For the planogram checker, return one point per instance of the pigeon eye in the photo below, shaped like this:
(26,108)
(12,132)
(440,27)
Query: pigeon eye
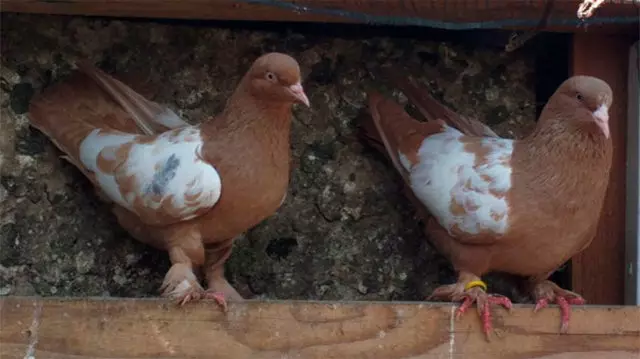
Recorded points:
(579,97)
(270,76)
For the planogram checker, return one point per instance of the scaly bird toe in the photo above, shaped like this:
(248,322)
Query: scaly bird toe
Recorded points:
(484,302)
(181,286)
(219,297)
(192,294)
(473,291)
(548,292)
(195,294)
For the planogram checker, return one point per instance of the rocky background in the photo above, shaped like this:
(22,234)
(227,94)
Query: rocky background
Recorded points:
(345,231)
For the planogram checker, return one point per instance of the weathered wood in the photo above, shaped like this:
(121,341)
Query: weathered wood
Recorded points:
(134,328)
(598,272)
(454,12)
(632,248)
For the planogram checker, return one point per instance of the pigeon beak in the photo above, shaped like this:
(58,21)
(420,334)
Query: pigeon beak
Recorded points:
(601,116)
(298,92)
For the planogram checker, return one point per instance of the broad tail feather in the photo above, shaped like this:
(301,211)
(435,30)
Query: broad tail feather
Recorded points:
(392,128)
(151,117)
(433,110)
(392,131)
(68,111)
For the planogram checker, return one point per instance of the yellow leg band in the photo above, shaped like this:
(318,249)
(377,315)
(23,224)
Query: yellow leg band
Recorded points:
(476,283)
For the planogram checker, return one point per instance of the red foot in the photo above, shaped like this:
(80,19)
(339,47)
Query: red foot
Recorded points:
(564,302)
(484,304)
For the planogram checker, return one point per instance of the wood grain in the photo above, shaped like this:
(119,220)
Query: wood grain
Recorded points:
(598,273)
(150,328)
(452,11)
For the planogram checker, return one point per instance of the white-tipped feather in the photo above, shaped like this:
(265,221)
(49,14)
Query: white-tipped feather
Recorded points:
(168,168)
(446,172)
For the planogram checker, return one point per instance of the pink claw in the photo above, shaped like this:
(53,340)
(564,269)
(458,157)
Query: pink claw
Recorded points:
(565,313)
(485,311)
(219,298)
(565,308)
(503,301)
(463,307)
(576,301)
(487,325)
(486,319)
(186,299)
(542,303)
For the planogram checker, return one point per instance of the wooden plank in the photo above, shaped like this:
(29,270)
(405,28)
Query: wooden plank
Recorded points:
(598,272)
(436,13)
(632,248)
(136,328)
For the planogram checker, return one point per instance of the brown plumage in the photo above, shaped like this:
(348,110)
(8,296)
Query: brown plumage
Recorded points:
(189,190)
(495,205)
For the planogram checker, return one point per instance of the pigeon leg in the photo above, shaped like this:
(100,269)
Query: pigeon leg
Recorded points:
(218,286)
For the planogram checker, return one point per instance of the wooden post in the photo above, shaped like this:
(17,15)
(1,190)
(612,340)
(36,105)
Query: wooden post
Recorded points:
(598,272)
(136,328)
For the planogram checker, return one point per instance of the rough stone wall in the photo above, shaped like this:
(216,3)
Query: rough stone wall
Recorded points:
(344,232)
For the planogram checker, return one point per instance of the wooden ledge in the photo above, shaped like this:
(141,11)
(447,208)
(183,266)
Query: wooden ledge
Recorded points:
(153,328)
(449,14)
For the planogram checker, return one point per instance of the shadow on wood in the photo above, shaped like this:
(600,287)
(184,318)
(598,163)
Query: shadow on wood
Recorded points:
(152,328)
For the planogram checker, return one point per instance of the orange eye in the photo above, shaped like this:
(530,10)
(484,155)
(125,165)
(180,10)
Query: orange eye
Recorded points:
(270,76)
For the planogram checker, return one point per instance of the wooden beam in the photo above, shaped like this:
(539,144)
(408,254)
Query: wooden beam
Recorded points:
(450,14)
(632,248)
(136,328)
(598,273)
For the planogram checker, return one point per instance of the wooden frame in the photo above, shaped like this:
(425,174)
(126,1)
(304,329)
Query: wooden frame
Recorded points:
(450,14)
(135,328)
(593,274)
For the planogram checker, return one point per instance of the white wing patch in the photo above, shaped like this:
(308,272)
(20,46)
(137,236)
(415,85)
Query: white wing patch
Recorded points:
(162,178)
(465,190)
